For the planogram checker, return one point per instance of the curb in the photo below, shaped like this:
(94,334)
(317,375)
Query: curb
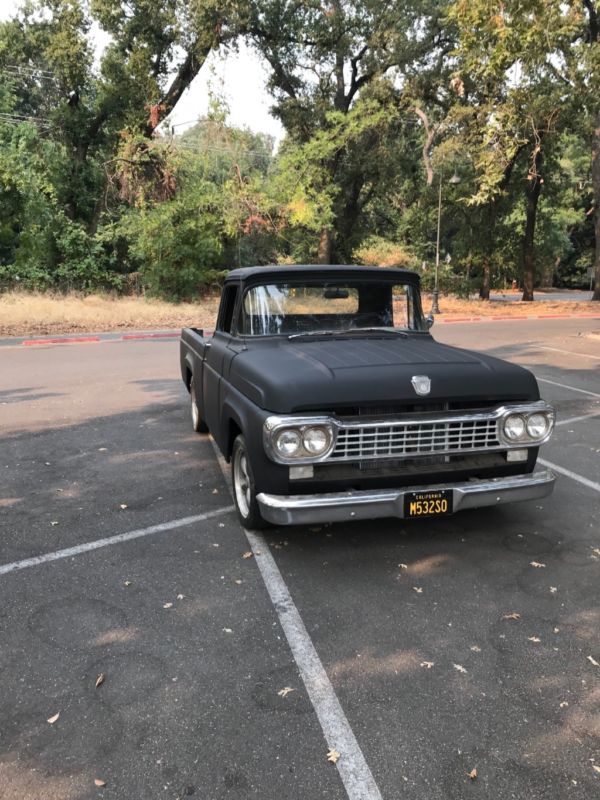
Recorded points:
(128,337)
(451,320)
(102,338)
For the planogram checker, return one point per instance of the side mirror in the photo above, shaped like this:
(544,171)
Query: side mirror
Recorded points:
(429,320)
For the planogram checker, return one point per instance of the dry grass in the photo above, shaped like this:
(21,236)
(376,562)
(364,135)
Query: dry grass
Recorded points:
(23,314)
(455,307)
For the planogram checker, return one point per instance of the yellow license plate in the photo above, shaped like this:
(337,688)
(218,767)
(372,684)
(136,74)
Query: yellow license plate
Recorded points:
(428,504)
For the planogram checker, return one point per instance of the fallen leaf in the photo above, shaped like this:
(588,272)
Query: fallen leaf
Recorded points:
(533,639)
(53,719)
(512,615)
(536,564)
(100,679)
(593,661)
(418,589)
(459,668)
(99,782)
(247,554)
(427,664)
(285,691)
(333,756)
(168,605)
(123,506)
(473,774)
(596,550)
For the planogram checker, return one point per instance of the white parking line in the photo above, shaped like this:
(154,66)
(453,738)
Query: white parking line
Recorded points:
(352,766)
(572,420)
(120,537)
(568,352)
(573,475)
(566,386)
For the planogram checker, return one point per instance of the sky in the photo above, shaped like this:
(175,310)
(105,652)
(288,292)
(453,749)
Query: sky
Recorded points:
(239,78)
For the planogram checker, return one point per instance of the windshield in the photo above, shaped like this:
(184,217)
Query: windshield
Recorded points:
(327,308)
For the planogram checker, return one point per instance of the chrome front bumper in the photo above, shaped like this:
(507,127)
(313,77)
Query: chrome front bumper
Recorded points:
(303,509)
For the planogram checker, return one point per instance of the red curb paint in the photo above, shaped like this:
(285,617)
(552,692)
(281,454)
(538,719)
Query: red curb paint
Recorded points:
(505,318)
(129,336)
(77,340)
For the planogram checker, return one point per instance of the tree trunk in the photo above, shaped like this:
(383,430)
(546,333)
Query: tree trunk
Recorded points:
(484,291)
(596,190)
(532,195)
(324,249)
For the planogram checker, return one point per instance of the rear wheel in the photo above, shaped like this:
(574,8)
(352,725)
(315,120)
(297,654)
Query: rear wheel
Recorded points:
(198,423)
(244,489)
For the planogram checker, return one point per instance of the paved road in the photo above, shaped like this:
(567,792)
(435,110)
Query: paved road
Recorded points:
(431,679)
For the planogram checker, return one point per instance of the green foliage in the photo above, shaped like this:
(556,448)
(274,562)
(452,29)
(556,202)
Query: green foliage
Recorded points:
(380,102)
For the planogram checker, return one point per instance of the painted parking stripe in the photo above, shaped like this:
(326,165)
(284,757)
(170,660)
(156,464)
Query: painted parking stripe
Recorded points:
(573,475)
(568,352)
(353,769)
(121,537)
(566,386)
(572,420)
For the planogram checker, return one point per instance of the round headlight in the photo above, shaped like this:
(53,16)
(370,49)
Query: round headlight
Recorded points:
(288,442)
(514,427)
(537,426)
(315,441)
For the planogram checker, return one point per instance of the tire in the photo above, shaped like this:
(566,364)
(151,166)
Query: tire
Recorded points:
(198,423)
(244,489)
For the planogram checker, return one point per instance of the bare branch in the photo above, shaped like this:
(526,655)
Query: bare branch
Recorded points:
(430,134)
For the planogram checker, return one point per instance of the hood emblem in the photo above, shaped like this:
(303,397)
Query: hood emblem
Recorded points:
(421,384)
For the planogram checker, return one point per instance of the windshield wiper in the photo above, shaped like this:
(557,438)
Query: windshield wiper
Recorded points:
(344,333)
(311,333)
(373,329)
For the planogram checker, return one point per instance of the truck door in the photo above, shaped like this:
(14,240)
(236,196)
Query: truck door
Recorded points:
(218,357)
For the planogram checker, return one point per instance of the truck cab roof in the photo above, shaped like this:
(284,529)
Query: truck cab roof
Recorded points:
(289,272)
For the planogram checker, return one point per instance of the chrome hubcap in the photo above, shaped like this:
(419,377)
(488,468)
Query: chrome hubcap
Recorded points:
(241,483)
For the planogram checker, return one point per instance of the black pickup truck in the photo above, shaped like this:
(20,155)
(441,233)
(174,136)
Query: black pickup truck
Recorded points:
(325,390)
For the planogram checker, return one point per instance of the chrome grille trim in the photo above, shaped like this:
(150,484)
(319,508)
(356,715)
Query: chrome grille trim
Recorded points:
(415,438)
(439,433)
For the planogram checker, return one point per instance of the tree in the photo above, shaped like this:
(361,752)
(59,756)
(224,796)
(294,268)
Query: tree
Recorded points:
(509,56)
(321,59)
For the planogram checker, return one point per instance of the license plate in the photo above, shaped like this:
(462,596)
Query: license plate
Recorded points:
(428,504)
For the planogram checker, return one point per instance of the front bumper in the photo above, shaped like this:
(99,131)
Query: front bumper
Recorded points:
(344,506)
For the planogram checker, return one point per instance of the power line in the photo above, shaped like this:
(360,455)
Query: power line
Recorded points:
(19,119)
(17,69)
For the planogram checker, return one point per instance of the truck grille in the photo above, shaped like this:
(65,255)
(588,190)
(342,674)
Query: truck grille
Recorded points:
(414,438)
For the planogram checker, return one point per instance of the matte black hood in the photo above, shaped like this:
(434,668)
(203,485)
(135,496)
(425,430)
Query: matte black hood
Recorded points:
(286,376)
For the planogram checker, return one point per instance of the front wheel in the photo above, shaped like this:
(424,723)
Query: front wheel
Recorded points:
(244,490)
(198,423)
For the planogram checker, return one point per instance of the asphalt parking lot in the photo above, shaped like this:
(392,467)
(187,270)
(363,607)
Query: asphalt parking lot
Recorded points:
(430,649)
